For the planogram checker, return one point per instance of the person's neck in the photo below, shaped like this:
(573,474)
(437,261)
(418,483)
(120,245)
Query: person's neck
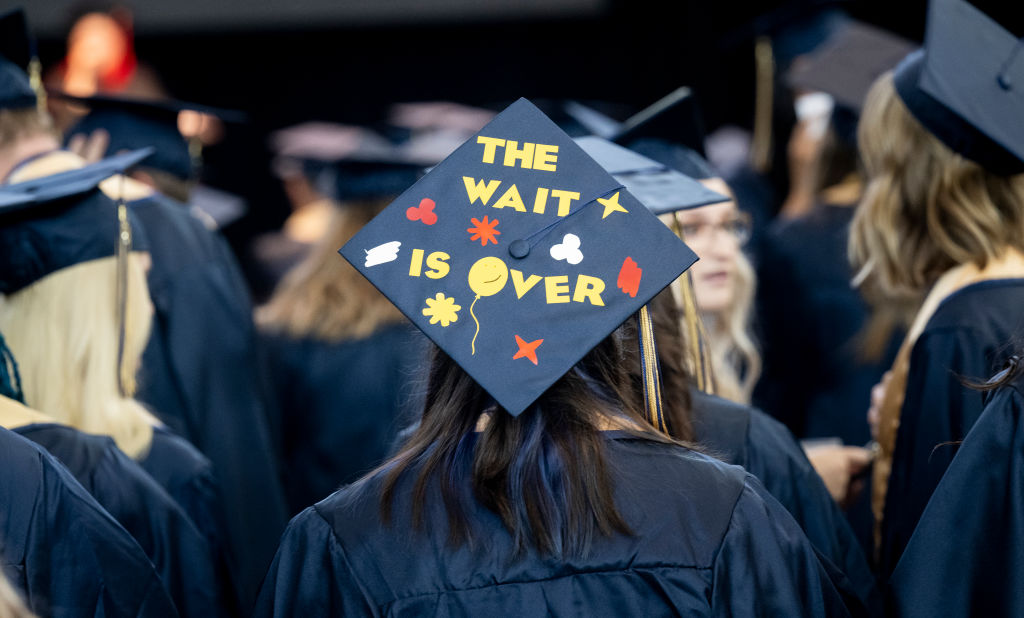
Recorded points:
(22,149)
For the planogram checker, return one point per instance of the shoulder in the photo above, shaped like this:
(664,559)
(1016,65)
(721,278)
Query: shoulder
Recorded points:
(721,426)
(991,303)
(177,454)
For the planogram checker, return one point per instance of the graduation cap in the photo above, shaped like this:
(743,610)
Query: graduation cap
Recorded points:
(56,221)
(17,55)
(53,222)
(664,190)
(658,187)
(846,65)
(967,86)
(517,255)
(354,163)
(134,123)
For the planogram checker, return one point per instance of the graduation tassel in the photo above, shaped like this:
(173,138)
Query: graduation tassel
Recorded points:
(698,363)
(35,80)
(125,378)
(650,371)
(764,93)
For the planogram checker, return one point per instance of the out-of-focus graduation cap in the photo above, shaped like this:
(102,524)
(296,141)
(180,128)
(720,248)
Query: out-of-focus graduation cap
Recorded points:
(658,187)
(16,54)
(134,123)
(967,86)
(674,117)
(353,163)
(57,221)
(517,255)
(846,65)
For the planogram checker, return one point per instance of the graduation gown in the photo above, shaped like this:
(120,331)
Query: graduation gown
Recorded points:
(814,379)
(181,555)
(200,375)
(967,337)
(341,405)
(64,553)
(966,557)
(705,543)
(744,436)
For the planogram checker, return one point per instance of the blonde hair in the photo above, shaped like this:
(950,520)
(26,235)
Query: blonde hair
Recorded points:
(63,331)
(324,297)
(735,360)
(11,604)
(24,122)
(925,208)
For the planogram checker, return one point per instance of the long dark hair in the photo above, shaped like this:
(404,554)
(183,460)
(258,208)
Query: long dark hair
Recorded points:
(544,472)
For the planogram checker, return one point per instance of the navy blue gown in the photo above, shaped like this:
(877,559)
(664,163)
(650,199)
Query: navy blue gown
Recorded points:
(61,550)
(967,338)
(747,437)
(183,558)
(341,405)
(705,543)
(201,376)
(815,380)
(966,557)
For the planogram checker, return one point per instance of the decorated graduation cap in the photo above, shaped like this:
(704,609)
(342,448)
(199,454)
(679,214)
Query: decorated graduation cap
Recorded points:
(967,86)
(134,123)
(518,254)
(57,221)
(19,68)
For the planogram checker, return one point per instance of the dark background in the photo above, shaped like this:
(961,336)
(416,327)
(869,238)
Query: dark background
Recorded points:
(345,60)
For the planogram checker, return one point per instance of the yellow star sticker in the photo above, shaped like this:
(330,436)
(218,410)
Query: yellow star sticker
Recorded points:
(611,204)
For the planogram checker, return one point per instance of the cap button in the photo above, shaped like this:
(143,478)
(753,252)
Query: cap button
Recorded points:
(519,249)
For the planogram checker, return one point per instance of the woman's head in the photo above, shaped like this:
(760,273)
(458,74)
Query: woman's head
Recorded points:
(925,208)
(723,288)
(325,297)
(543,471)
(63,331)
(716,233)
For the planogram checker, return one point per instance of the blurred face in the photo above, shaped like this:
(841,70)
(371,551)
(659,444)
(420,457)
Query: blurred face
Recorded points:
(716,233)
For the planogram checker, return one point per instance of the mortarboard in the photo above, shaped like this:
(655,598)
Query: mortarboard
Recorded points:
(57,221)
(665,190)
(16,58)
(658,187)
(846,65)
(967,86)
(134,123)
(518,254)
(674,117)
(353,163)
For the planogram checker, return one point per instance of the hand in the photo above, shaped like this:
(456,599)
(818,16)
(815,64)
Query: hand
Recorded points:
(91,147)
(877,397)
(837,466)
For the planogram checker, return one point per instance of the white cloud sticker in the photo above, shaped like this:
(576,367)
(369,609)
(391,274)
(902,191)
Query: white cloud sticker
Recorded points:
(568,250)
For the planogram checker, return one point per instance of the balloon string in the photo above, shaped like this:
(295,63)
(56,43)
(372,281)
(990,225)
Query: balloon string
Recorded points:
(472,344)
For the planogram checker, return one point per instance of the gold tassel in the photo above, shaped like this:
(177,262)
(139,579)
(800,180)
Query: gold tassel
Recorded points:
(35,80)
(764,93)
(651,373)
(698,361)
(125,377)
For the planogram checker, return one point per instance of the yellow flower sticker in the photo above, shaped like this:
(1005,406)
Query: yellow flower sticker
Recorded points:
(442,309)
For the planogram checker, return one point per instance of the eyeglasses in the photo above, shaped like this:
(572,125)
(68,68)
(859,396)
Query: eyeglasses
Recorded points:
(737,226)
